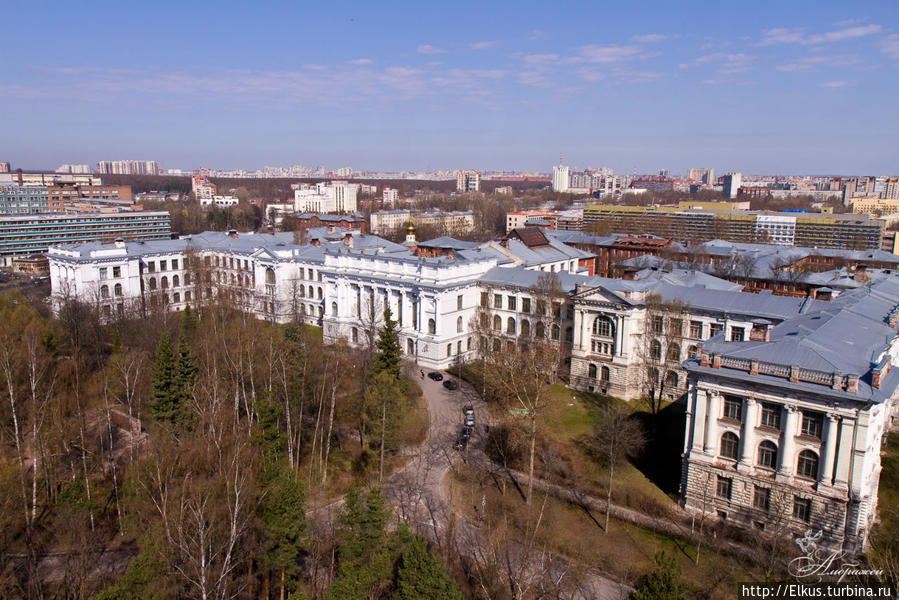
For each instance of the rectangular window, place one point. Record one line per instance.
(117, 272)
(725, 486)
(761, 499)
(658, 324)
(677, 327)
(497, 301)
(715, 329)
(485, 299)
(162, 265)
(736, 334)
(802, 509)
(696, 330)
(458, 302)
(174, 264)
(733, 408)
(103, 272)
(512, 303)
(812, 424)
(151, 267)
(526, 305)
(771, 416)
(541, 307)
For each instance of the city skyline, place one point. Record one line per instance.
(806, 88)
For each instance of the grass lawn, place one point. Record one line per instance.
(623, 554)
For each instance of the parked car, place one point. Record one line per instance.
(461, 444)
(468, 410)
(451, 385)
(469, 420)
(466, 432)
(435, 376)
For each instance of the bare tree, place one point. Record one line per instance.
(617, 437)
(660, 348)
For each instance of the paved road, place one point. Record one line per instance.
(420, 496)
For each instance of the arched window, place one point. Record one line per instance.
(604, 374)
(729, 445)
(525, 330)
(673, 353)
(603, 326)
(432, 326)
(671, 379)
(410, 346)
(540, 331)
(767, 455)
(311, 292)
(117, 290)
(164, 282)
(459, 325)
(497, 322)
(591, 371)
(269, 275)
(321, 311)
(176, 281)
(569, 334)
(176, 297)
(510, 325)
(233, 279)
(692, 351)
(334, 312)
(104, 291)
(655, 350)
(319, 293)
(807, 465)
(555, 331)
(152, 283)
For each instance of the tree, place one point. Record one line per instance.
(184, 377)
(384, 408)
(617, 437)
(421, 574)
(389, 352)
(285, 524)
(660, 350)
(163, 402)
(663, 583)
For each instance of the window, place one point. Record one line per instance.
(761, 498)
(497, 322)
(117, 290)
(510, 325)
(802, 509)
(497, 345)
(771, 416)
(333, 309)
(655, 350)
(540, 331)
(269, 276)
(103, 272)
(671, 379)
(733, 408)
(174, 264)
(730, 444)
(187, 297)
(104, 291)
(459, 325)
(319, 293)
(673, 353)
(767, 455)
(116, 272)
(569, 335)
(162, 265)
(677, 327)
(432, 326)
(808, 465)
(459, 304)
(557, 309)
(658, 324)
(175, 281)
(693, 351)
(449, 350)
(410, 346)
(715, 329)
(355, 334)
(736, 334)
(591, 371)
(725, 487)
(525, 330)
(602, 326)
(319, 275)
(512, 303)
(152, 283)
(176, 297)
(485, 299)
(605, 374)
(526, 305)
(497, 301)
(459, 347)
(555, 331)
(151, 267)
(812, 424)
(696, 330)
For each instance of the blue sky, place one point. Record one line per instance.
(760, 87)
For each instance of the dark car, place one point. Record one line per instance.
(451, 384)
(466, 432)
(435, 376)
(461, 444)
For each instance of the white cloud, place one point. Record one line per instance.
(361, 61)
(605, 54)
(809, 63)
(429, 49)
(726, 63)
(890, 46)
(649, 38)
(797, 36)
(834, 84)
(484, 45)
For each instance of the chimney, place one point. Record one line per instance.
(232, 233)
(331, 228)
(316, 242)
(451, 255)
(348, 240)
(19, 173)
(119, 243)
(852, 386)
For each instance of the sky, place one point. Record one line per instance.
(783, 87)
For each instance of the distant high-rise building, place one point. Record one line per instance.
(4, 167)
(468, 181)
(391, 196)
(77, 169)
(333, 197)
(731, 183)
(701, 175)
(561, 178)
(201, 187)
(345, 172)
(664, 172)
(128, 167)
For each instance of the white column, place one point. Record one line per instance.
(747, 434)
(787, 448)
(698, 398)
(830, 446)
(578, 329)
(619, 336)
(711, 423)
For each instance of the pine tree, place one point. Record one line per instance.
(186, 370)
(163, 403)
(285, 524)
(389, 352)
(421, 574)
(663, 583)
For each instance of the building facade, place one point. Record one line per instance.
(468, 181)
(23, 200)
(332, 197)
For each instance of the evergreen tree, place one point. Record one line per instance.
(186, 370)
(389, 352)
(663, 583)
(421, 574)
(163, 403)
(285, 524)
